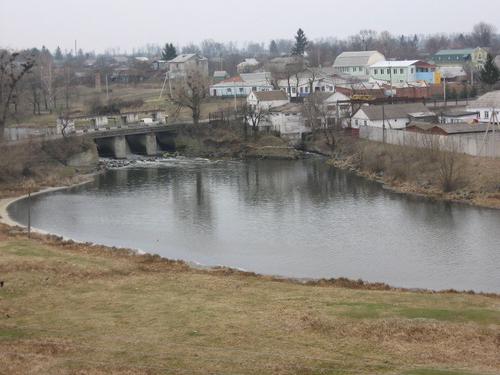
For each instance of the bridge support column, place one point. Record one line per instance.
(120, 147)
(144, 144)
(113, 146)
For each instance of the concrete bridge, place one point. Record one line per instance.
(121, 141)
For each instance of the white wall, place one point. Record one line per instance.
(470, 144)
(360, 119)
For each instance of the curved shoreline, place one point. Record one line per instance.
(340, 281)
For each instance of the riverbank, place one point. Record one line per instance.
(431, 173)
(91, 309)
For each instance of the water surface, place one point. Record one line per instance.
(290, 218)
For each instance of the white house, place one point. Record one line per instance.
(486, 105)
(392, 116)
(301, 87)
(267, 99)
(242, 85)
(247, 66)
(458, 117)
(185, 63)
(289, 121)
(403, 71)
(356, 63)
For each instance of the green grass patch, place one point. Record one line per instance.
(363, 310)
(11, 334)
(482, 316)
(26, 249)
(436, 372)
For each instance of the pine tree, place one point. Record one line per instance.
(300, 43)
(58, 54)
(490, 73)
(273, 48)
(169, 52)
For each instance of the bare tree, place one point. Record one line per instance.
(254, 116)
(319, 116)
(482, 34)
(190, 92)
(13, 67)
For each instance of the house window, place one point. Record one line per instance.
(356, 122)
(229, 91)
(293, 90)
(388, 71)
(307, 89)
(301, 90)
(395, 71)
(254, 88)
(365, 123)
(486, 115)
(241, 89)
(401, 71)
(412, 70)
(375, 71)
(323, 88)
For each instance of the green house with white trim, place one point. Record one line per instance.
(474, 56)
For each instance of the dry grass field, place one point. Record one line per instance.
(68, 308)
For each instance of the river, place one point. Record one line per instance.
(290, 218)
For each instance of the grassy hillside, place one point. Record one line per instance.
(68, 308)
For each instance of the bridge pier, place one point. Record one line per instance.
(115, 146)
(143, 143)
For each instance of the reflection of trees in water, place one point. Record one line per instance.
(191, 199)
(312, 180)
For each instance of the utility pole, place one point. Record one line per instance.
(444, 90)
(29, 211)
(383, 122)
(107, 88)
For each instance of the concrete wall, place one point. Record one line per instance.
(470, 144)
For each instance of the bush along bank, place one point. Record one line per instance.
(432, 172)
(36, 164)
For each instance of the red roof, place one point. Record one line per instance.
(232, 79)
(423, 64)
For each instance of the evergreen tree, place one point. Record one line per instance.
(273, 48)
(490, 73)
(300, 43)
(58, 54)
(169, 52)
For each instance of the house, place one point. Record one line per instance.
(453, 73)
(159, 65)
(289, 121)
(486, 105)
(474, 56)
(186, 63)
(267, 99)
(300, 85)
(220, 75)
(392, 116)
(447, 129)
(242, 85)
(247, 66)
(457, 116)
(404, 71)
(357, 63)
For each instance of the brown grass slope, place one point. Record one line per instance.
(68, 308)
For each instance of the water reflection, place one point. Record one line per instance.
(299, 218)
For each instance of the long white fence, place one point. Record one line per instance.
(471, 144)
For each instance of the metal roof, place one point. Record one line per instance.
(488, 100)
(464, 51)
(395, 111)
(457, 128)
(355, 58)
(265, 96)
(185, 57)
(394, 64)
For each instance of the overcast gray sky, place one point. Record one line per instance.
(100, 24)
